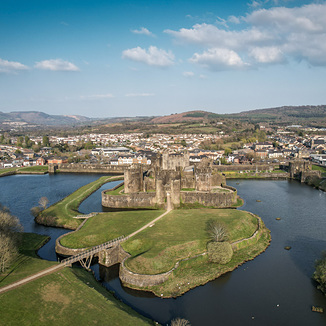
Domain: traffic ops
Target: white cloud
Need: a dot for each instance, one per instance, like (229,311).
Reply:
(152,57)
(267,55)
(56,65)
(218,59)
(11,66)
(188,74)
(274,35)
(143,31)
(139,94)
(96,96)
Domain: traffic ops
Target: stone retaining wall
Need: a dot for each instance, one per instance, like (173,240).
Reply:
(246,167)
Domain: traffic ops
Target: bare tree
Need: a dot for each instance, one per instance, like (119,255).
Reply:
(180,322)
(216,231)
(9,236)
(43,202)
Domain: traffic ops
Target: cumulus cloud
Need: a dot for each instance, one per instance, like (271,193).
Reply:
(143,31)
(152,57)
(267,55)
(264,36)
(139,94)
(218,59)
(56,65)
(11,66)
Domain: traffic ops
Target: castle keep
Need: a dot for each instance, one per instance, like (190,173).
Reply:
(171,179)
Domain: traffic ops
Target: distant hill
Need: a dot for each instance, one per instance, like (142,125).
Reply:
(41,118)
(186,117)
(303,115)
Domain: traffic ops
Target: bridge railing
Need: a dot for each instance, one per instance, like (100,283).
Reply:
(91,251)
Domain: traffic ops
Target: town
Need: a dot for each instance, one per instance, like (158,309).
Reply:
(278,145)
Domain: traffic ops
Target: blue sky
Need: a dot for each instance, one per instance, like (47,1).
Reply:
(134,58)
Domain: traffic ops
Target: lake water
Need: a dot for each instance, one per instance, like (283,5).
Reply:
(274,289)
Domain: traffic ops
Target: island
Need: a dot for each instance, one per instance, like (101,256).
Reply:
(177,226)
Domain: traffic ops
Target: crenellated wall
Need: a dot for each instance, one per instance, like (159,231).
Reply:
(87,168)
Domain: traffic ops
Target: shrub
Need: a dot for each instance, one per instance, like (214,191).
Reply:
(219,252)
(320,273)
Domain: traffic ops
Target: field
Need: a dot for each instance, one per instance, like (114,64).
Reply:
(70,296)
(107,226)
(182,234)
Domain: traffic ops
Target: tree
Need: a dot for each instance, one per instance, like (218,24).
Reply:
(9,237)
(43,202)
(320,273)
(45,141)
(216,231)
(180,322)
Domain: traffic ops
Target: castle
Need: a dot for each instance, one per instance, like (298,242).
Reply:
(170,180)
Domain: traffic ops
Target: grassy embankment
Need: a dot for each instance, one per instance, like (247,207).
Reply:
(68,297)
(28,169)
(107,226)
(182,234)
(61,214)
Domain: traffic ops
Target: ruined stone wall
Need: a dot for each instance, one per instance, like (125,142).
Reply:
(112,256)
(89,168)
(203,179)
(141,280)
(309,174)
(246,167)
(174,161)
(149,184)
(296,167)
(220,200)
(134,200)
(133,179)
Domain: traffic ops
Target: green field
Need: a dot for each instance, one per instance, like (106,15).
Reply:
(61,214)
(182,234)
(107,226)
(68,297)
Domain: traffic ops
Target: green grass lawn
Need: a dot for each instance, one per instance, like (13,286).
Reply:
(68,297)
(27,262)
(107,226)
(182,234)
(61,214)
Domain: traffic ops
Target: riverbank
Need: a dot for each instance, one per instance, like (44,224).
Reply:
(63,212)
(41,169)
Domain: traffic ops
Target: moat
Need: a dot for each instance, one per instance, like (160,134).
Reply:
(275,288)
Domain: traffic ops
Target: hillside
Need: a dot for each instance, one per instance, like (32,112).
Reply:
(303,115)
(41,118)
(190,116)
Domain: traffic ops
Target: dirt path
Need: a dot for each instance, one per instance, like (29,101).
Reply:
(31,278)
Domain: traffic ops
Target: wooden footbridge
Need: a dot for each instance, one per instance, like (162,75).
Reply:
(85,257)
